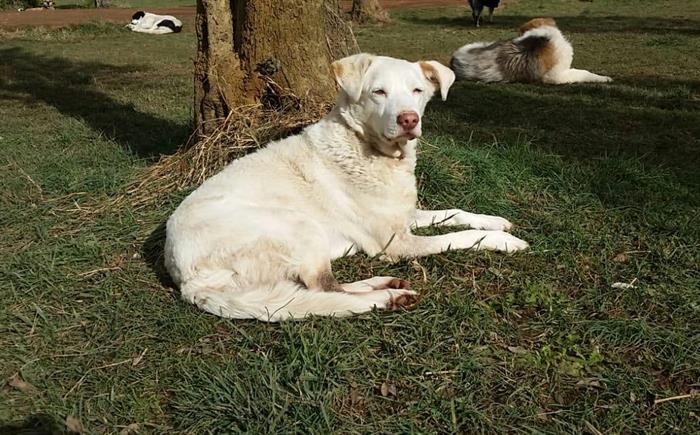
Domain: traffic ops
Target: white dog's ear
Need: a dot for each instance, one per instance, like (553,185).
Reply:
(439,75)
(350,73)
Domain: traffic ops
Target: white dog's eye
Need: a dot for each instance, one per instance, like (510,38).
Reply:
(418,91)
(380,92)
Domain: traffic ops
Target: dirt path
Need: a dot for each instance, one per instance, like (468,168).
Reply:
(63,17)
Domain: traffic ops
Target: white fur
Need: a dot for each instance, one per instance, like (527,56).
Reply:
(252,241)
(149,24)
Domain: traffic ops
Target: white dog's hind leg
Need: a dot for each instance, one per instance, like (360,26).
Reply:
(375,283)
(274,280)
(574,75)
(425,218)
(287,300)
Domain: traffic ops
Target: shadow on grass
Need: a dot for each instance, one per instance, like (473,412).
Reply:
(68,86)
(658,123)
(574,24)
(152,252)
(37,424)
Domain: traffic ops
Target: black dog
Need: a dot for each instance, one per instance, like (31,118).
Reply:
(478,7)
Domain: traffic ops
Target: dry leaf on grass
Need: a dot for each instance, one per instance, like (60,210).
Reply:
(73,425)
(131,429)
(388,389)
(589,382)
(623,285)
(621,258)
(356,397)
(17,383)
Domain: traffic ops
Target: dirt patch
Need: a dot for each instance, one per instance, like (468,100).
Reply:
(65,17)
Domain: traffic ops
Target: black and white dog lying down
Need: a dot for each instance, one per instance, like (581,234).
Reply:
(146,22)
(478,7)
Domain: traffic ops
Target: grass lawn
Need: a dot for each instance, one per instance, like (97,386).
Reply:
(603,180)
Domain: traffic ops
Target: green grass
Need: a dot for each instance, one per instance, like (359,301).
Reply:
(602,180)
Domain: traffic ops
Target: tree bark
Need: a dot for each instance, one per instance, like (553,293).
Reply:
(368,10)
(245,45)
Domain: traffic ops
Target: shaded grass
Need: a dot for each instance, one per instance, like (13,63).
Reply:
(600,179)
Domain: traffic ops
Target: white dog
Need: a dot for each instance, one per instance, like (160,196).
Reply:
(146,22)
(257,239)
(540,54)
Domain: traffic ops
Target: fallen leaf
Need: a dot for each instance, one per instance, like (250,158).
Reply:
(621,258)
(355,397)
(622,285)
(16,382)
(589,382)
(388,389)
(517,349)
(131,429)
(73,425)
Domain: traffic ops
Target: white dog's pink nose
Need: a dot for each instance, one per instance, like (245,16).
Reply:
(407,120)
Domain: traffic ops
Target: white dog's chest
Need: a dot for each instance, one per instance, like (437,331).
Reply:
(369,213)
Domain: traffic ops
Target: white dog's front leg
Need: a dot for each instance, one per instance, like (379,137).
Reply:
(409,245)
(425,218)
(574,75)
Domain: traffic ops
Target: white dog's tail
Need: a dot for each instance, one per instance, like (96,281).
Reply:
(285,300)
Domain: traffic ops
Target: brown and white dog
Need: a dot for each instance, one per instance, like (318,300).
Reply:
(540,54)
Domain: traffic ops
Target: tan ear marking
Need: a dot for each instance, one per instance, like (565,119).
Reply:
(350,71)
(430,72)
(439,75)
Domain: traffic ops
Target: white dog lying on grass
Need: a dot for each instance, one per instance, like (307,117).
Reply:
(257,239)
(146,22)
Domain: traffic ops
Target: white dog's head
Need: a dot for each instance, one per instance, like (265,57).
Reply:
(383,98)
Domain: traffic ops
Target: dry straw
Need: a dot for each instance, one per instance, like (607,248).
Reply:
(245,129)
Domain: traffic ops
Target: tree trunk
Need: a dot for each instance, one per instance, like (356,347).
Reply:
(368,10)
(249,49)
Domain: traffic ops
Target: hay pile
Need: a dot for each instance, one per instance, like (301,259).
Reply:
(244,130)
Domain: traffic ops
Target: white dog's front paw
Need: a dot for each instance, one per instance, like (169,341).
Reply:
(490,223)
(606,79)
(501,241)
